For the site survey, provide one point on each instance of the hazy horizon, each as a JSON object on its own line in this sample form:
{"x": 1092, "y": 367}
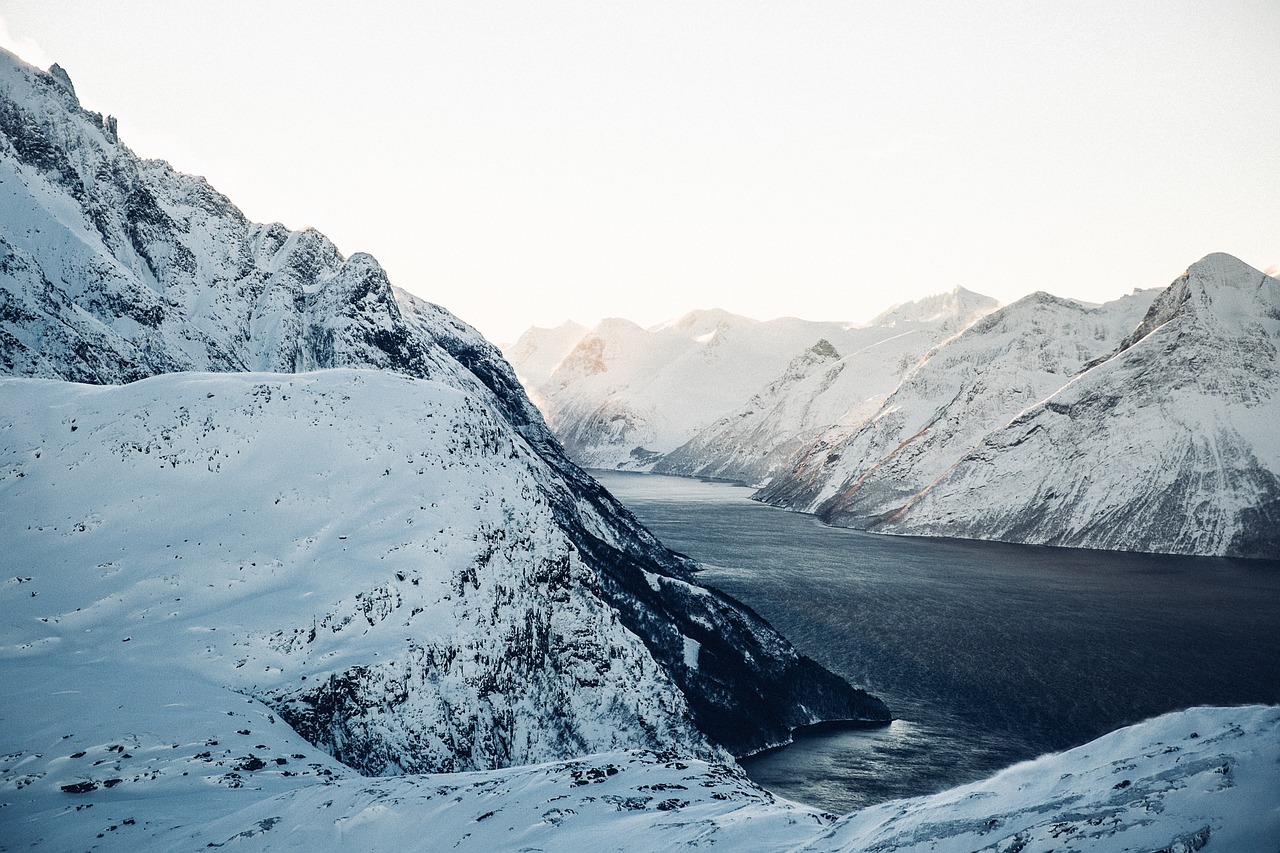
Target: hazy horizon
{"x": 526, "y": 165}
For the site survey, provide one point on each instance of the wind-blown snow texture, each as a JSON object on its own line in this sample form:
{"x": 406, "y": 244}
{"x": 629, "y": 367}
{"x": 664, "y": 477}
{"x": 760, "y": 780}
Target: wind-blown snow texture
{"x": 113, "y": 269}
{"x": 1050, "y": 422}
{"x": 715, "y": 394}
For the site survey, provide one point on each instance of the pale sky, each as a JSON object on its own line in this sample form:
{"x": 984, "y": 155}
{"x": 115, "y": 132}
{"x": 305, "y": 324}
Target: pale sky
{"x": 523, "y": 163}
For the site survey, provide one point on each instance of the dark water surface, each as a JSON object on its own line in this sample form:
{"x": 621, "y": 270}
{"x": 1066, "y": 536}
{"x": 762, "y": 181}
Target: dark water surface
{"x": 987, "y": 653}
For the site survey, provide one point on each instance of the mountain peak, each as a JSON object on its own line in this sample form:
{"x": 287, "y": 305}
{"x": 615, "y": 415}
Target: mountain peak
{"x": 62, "y": 78}
{"x": 1219, "y": 261}
{"x": 616, "y": 326}
{"x": 824, "y": 349}
{"x": 704, "y": 320}
{"x": 957, "y": 303}
{"x": 1218, "y": 288}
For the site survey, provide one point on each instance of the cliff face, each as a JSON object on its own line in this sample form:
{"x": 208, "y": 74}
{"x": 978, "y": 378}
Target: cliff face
{"x": 115, "y": 270}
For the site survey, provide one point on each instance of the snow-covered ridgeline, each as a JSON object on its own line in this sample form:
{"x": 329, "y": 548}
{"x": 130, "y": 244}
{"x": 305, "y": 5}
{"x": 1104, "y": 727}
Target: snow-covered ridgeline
{"x": 1145, "y": 424}
{"x": 620, "y": 396}
{"x": 919, "y": 422}
{"x": 113, "y": 269}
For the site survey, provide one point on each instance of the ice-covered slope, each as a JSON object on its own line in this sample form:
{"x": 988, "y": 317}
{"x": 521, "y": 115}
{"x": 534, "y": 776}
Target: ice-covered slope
{"x": 624, "y": 397}
{"x": 968, "y": 386}
{"x": 1171, "y": 445}
{"x": 113, "y": 269}
{"x": 823, "y": 391}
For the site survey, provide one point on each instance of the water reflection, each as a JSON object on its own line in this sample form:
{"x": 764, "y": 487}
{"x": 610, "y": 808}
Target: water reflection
{"x": 848, "y": 769}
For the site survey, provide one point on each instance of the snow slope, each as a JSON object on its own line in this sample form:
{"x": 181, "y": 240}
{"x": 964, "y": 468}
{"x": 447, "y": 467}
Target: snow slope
{"x": 113, "y": 269}
{"x": 1169, "y": 445}
{"x": 822, "y": 391}
{"x": 370, "y": 555}
{"x": 107, "y": 757}
{"x": 625, "y": 397}
{"x": 967, "y": 386}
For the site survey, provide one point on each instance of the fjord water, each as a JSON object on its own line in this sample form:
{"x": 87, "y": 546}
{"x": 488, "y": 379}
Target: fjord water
{"x": 987, "y": 653}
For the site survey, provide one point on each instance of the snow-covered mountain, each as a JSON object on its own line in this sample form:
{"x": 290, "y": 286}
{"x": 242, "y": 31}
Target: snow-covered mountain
{"x": 539, "y": 351}
{"x": 634, "y": 398}
{"x": 971, "y": 384}
{"x": 1146, "y": 424}
{"x": 822, "y": 390}
{"x": 370, "y": 555}
{"x": 114, "y": 269}
{"x": 288, "y": 526}
{"x": 1171, "y": 445}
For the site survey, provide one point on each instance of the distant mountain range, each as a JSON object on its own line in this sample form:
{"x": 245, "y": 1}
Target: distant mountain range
{"x": 1168, "y": 442}
{"x": 1144, "y": 424}
{"x": 619, "y": 396}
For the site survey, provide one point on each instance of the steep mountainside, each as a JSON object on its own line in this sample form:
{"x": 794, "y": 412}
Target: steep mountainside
{"x": 371, "y": 556}
{"x": 625, "y": 397}
{"x": 113, "y": 269}
{"x": 1169, "y": 445}
{"x": 971, "y": 384}
{"x": 823, "y": 392}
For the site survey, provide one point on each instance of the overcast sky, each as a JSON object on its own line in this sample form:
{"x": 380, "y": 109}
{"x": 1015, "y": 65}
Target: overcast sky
{"x": 524, "y": 163}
